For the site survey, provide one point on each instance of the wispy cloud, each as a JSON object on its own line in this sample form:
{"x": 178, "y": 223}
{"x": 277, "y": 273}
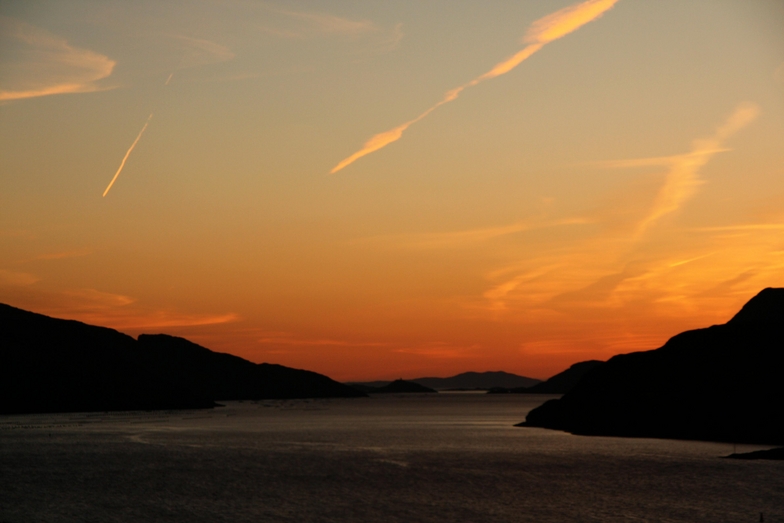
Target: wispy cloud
{"x": 77, "y": 253}
{"x": 441, "y": 350}
{"x": 314, "y": 24}
{"x": 15, "y": 278}
{"x": 37, "y": 63}
{"x": 565, "y": 21}
{"x": 324, "y": 23}
{"x": 743, "y": 227}
{"x": 118, "y": 311}
{"x": 682, "y": 179}
{"x": 778, "y": 75}
{"x": 545, "y": 30}
{"x": 168, "y": 319}
{"x": 289, "y": 339}
{"x": 469, "y": 237}
{"x": 91, "y": 299}
{"x": 199, "y": 52}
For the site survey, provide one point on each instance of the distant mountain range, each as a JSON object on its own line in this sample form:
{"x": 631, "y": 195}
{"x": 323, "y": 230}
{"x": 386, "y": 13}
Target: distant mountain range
{"x": 721, "y": 383}
{"x": 466, "y": 381}
{"x": 54, "y": 365}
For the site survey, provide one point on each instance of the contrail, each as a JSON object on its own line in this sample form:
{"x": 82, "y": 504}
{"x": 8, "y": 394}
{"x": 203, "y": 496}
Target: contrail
{"x": 541, "y": 32}
{"x": 138, "y": 137}
{"x": 122, "y": 164}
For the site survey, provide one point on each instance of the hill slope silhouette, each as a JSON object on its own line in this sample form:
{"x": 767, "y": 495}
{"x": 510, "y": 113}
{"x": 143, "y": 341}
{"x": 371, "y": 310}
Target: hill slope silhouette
{"x": 721, "y": 383}
{"x": 561, "y": 383}
{"x": 54, "y": 365}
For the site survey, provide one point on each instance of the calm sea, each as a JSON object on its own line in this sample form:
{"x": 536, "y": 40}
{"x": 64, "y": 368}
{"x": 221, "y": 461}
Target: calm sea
{"x": 446, "y": 457}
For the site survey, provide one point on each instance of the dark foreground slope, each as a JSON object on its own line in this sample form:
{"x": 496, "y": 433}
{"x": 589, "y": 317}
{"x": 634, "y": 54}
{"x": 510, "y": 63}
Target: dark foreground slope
{"x": 565, "y": 381}
{"x": 53, "y": 365}
{"x": 722, "y": 383}
{"x": 227, "y": 377}
{"x": 561, "y": 383}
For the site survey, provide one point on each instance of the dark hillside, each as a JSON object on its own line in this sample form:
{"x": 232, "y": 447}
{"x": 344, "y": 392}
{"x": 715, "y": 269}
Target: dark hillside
{"x": 722, "y": 383}
{"x": 54, "y": 365}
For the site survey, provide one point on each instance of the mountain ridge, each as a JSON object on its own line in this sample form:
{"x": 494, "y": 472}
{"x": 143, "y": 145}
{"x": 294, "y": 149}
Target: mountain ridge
{"x": 58, "y": 365}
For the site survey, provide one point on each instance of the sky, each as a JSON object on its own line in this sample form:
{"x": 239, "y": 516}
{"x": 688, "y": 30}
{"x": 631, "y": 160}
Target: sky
{"x": 374, "y": 189}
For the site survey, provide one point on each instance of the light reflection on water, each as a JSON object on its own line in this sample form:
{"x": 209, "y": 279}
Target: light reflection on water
{"x": 429, "y": 458}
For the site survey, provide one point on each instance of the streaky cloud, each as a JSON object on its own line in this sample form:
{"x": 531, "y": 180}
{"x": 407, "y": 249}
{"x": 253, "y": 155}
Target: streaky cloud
{"x": 541, "y": 32}
{"x": 16, "y": 278}
{"x": 683, "y": 180}
{"x": 199, "y": 52}
{"x": 567, "y": 20}
{"x": 327, "y": 23}
{"x": 743, "y": 227}
{"x": 127, "y": 154}
{"x": 469, "y": 237}
{"x": 46, "y": 64}
{"x": 64, "y": 254}
{"x": 655, "y": 161}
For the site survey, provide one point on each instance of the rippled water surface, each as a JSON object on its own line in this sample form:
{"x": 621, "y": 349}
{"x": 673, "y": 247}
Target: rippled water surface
{"x": 429, "y": 458}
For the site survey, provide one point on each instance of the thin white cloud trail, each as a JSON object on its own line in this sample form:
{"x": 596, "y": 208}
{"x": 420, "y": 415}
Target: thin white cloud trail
{"x": 127, "y": 154}
{"x": 138, "y": 137}
{"x": 541, "y": 32}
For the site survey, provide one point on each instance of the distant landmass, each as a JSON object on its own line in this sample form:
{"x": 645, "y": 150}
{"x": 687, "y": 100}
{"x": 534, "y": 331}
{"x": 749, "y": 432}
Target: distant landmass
{"x": 561, "y": 383}
{"x": 395, "y": 387}
{"x": 55, "y": 365}
{"x": 721, "y": 383}
{"x": 467, "y": 381}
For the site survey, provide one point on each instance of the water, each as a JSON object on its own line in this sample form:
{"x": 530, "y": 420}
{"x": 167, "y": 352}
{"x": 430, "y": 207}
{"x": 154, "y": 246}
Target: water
{"x": 417, "y": 458}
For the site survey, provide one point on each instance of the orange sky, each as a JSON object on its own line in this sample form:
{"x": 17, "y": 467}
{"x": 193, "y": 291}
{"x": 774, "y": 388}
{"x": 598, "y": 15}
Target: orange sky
{"x": 514, "y": 186}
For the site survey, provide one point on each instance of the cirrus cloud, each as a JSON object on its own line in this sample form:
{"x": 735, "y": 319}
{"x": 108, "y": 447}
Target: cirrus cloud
{"x": 37, "y": 63}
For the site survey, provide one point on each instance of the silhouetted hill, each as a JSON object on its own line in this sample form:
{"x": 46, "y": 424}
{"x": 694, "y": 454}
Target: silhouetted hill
{"x": 227, "y": 377}
{"x": 722, "y": 383}
{"x": 477, "y": 380}
{"x": 561, "y": 383}
{"x": 54, "y": 365}
{"x": 400, "y": 386}
{"x": 466, "y": 381}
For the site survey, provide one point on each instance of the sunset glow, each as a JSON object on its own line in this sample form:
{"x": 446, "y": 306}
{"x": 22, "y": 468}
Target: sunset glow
{"x": 620, "y": 179}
